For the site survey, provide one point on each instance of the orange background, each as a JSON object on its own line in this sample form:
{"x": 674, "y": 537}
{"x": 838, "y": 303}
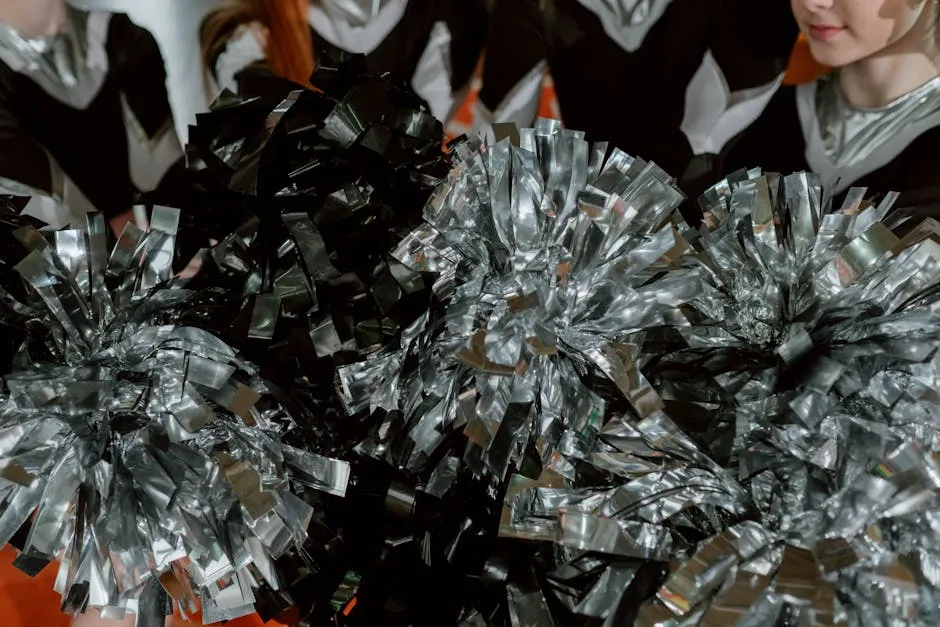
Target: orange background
{"x": 28, "y": 602}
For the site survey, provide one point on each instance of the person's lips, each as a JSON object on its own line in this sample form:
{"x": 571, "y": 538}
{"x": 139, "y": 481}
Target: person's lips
{"x": 823, "y": 32}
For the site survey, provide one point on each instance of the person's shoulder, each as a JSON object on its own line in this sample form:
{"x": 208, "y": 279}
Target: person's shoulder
{"x": 786, "y": 96}
{"x": 781, "y": 111}
{"x": 913, "y": 173}
{"x": 922, "y": 153}
{"x": 774, "y": 141}
{"x": 130, "y": 47}
{"x": 123, "y": 37}
{"x": 929, "y": 141}
{"x": 919, "y": 162}
{"x": 119, "y": 26}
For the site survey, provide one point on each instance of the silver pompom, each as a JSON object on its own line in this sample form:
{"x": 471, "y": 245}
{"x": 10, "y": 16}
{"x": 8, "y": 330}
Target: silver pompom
{"x": 812, "y": 359}
{"x": 141, "y": 453}
{"x": 789, "y": 474}
{"x": 542, "y": 251}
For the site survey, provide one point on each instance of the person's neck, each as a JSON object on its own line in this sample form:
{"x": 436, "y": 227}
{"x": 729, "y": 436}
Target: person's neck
{"x": 879, "y": 81}
{"x": 897, "y": 70}
{"x": 34, "y": 18}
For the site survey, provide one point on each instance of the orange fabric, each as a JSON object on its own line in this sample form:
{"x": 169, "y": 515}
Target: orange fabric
{"x": 463, "y": 120}
{"x": 25, "y": 601}
{"x": 247, "y": 621}
{"x": 803, "y": 68}
{"x": 32, "y": 602}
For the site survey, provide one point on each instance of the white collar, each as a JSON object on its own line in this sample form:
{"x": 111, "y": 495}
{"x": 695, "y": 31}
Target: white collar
{"x": 95, "y": 44}
{"x": 613, "y": 15}
{"x": 838, "y": 179}
{"x": 333, "y": 27}
{"x": 91, "y": 74}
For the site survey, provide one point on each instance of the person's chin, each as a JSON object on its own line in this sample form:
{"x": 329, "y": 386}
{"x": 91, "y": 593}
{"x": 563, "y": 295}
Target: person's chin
{"x": 831, "y": 56}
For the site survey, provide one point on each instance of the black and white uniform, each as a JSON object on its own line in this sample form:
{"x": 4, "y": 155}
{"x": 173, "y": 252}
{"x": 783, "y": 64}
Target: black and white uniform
{"x": 85, "y": 121}
{"x": 811, "y": 127}
{"x": 654, "y": 77}
{"x": 435, "y": 43}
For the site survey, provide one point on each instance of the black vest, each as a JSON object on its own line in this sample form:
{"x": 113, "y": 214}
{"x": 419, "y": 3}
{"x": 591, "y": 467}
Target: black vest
{"x": 90, "y": 145}
{"x": 635, "y": 100}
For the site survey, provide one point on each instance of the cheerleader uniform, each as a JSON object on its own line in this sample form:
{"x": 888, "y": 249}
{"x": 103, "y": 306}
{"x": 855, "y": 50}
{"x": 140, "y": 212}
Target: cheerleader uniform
{"x": 635, "y": 72}
{"x": 811, "y": 127}
{"x": 85, "y": 121}
{"x": 435, "y": 43}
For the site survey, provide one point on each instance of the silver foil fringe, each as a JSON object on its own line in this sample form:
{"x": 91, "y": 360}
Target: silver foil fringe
{"x": 541, "y": 252}
{"x": 144, "y": 455}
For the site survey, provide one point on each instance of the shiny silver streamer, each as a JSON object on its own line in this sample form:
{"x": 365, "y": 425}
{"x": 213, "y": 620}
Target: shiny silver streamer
{"x": 810, "y": 372}
{"x": 145, "y": 456}
{"x": 779, "y": 367}
{"x": 797, "y": 433}
{"x": 650, "y": 484}
{"x": 542, "y": 250}
{"x": 553, "y": 257}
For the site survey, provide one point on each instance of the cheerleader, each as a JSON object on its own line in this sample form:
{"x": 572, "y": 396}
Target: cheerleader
{"x": 85, "y": 120}
{"x": 434, "y": 43}
{"x": 634, "y": 72}
{"x": 873, "y": 122}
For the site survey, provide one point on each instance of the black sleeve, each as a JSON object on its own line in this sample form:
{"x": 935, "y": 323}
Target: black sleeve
{"x": 515, "y": 44}
{"x": 750, "y": 44}
{"x": 752, "y": 41}
{"x": 914, "y": 175}
{"x": 467, "y": 22}
{"x": 774, "y": 143}
{"x": 22, "y": 160}
{"x": 142, "y": 73}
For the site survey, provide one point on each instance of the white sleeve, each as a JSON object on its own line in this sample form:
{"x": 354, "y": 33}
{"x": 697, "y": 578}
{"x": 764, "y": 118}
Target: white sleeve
{"x": 150, "y": 157}
{"x": 520, "y": 106}
{"x": 243, "y": 49}
{"x": 62, "y": 206}
{"x": 67, "y": 209}
{"x": 432, "y": 77}
{"x": 714, "y": 115}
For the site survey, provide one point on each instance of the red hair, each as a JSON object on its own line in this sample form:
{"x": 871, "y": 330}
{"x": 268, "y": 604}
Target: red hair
{"x": 290, "y": 45}
{"x": 289, "y": 50}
